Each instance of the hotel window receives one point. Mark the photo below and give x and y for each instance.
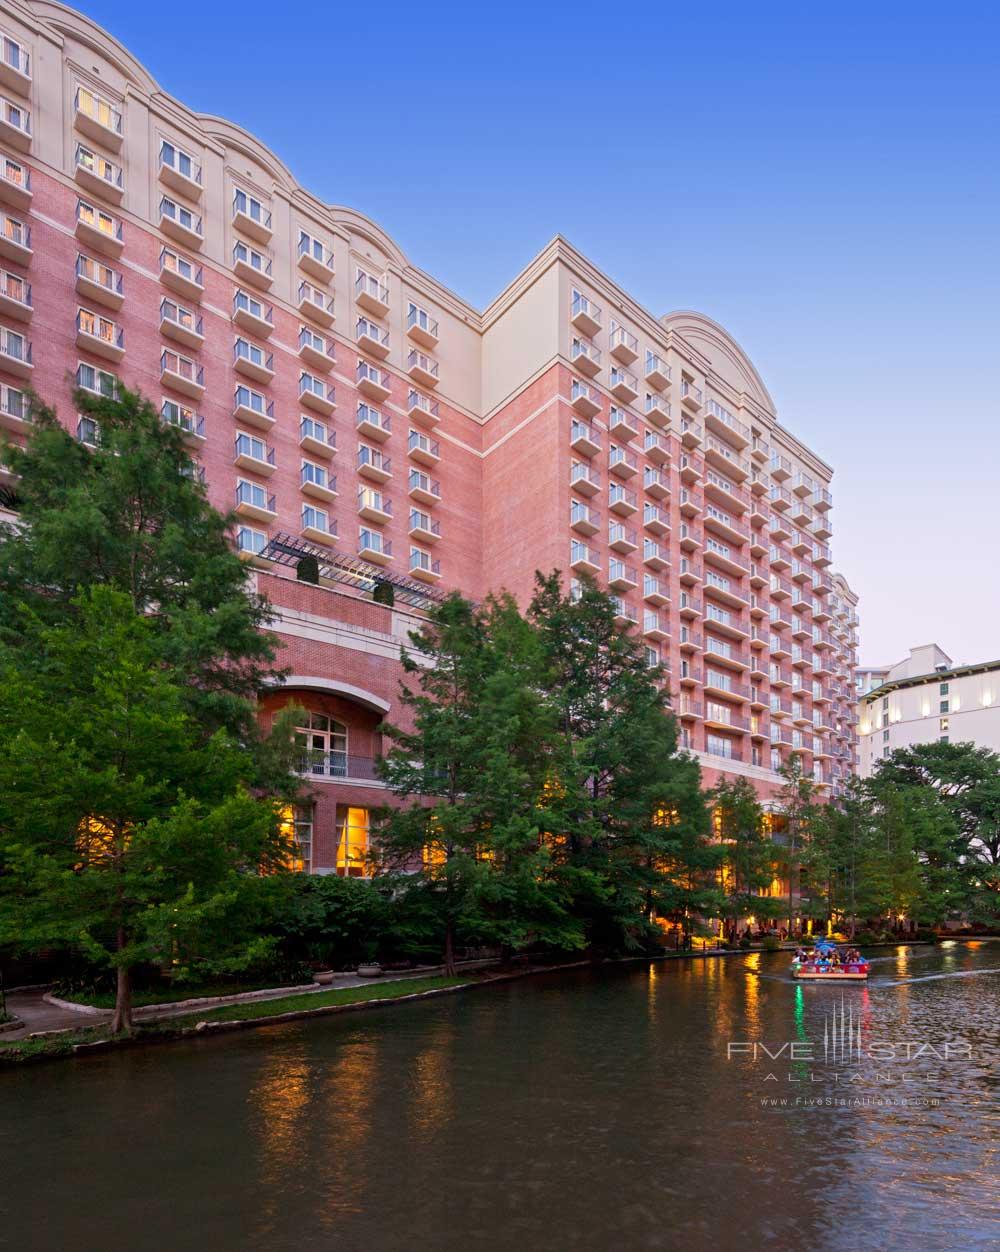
(250, 207)
(943, 689)
(100, 382)
(250, 540)
(353, 843)
(943, 706)
(181, 161)
(885, 736)
(88, 432)
(943, 725)
(322, 741)
(14, 55)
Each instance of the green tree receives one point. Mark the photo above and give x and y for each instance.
(123, 829)
(749, 853)
(128, 513)
(797, 804)
(629, 804)
(472, 767)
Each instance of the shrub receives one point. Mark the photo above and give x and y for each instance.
(771, 943)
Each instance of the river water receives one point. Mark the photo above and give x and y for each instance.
(620, 1109)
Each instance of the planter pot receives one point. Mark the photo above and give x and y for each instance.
(323, 976)
(370, 970)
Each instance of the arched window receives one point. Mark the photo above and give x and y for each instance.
(323, 744)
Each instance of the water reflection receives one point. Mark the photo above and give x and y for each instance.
(588, 1111)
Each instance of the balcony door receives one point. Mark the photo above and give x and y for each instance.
(322, 742)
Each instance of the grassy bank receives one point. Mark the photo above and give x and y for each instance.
(256, 1011)
(168, 995)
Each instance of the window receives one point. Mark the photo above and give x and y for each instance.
(885, 736)
(943, 706)
(943, 725)
(179, 160)
(315, 519)
(88, 432)
(100, 382)
(249, 206)
(943, 689)
(323, 745)
(250, 540)
(302, 832)
(353, 842)
(313, 473)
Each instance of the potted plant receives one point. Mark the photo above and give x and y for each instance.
(369, 967)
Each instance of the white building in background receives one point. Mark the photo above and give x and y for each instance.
(923, 698)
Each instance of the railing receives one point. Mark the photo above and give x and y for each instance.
(419, 317)
(338, 765)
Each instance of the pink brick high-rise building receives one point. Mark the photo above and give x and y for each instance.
(346, 404)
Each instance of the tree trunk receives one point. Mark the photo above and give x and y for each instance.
(449, 950)
(121, 1022)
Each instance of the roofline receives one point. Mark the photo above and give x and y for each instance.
(954, 671)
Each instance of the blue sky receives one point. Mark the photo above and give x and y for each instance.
(821, 178)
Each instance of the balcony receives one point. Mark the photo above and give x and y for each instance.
(253, 362)
(689, 639)
(780, 467)
(725, 424)
(315, 304)
(689, 502)
(721, 652)
(371, 339)
(624, 614)
(656, 448)
(315, 259)
(584, 399)
(583, 559)
(422, 369)
(316, 438)
(654, 590)
(250, 314)
(250, 217)
(15, 67)
(317, 526)
(179, 170)
(657, 372)
(624, 384)
(423, 450)
(15, 353)
(623, 345)
(422, 409)
(315, 394)
(373, 424)
(253, 409)
(621, 424)
(821, 527)
(98, 118)
(15, 183)
(689, 572)
(721, 717)
(622, 539)
(182, 374)
(655, 519)
(318, 482)
(252, 266)
(654, 555)
(822, 500)
(181, 275)
(424, 567)
(423, 488)
(725, 525)
(622, 463)
(99, 336)
(585, 315)
(15, 297)
(584, 519)
(688, 538)
(586, 357)
(373, 506)
(423, 528)
(254, 455)
(253, 501)
(98, 175)
(181, 325)
(654, 627)
(316, 350)
(373, 382)
(188, 422)
(372, 294)
(655, 484)
(689, 606)
(97, 229)
(689, 469)
(725, 459)
(421, 327)
(622, 500)
(373, 464)
(584, 479)
(374, 548)
(692, 397)
(180, 224)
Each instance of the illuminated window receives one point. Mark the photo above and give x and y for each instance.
(323, 745)
(352, 846)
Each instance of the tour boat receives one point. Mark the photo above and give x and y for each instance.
(816, 967)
